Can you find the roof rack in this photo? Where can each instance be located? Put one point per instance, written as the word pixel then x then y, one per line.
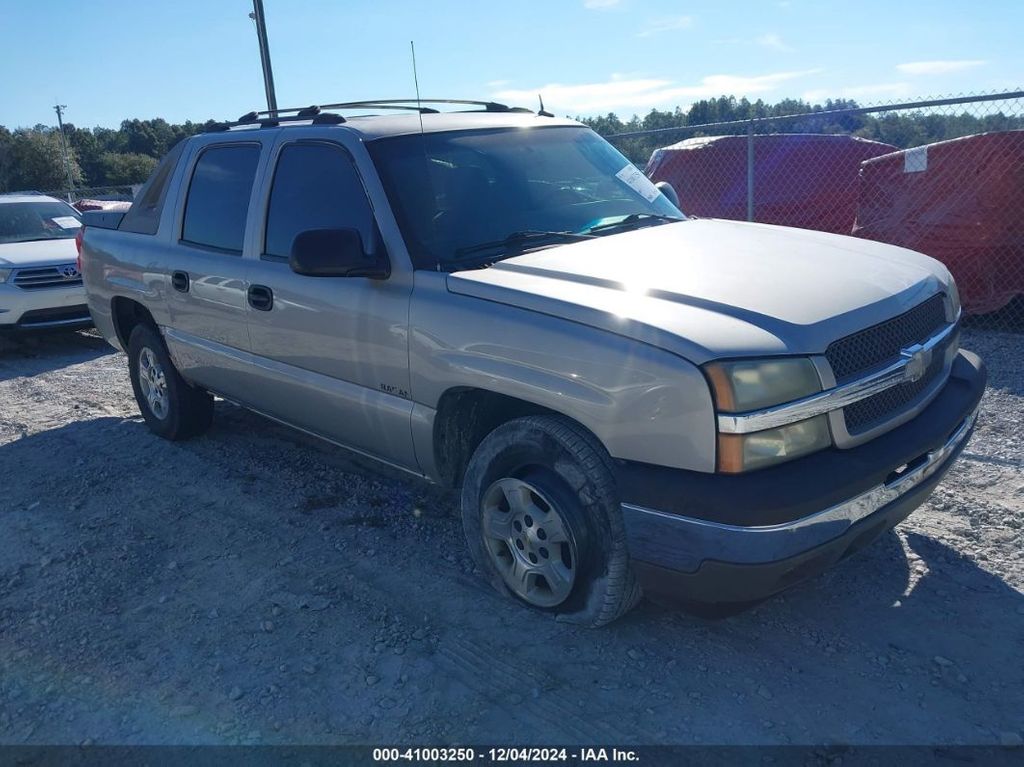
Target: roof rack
pixel 411 104
pixel 271 118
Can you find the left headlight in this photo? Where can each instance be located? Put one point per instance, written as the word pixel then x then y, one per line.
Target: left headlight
pixel 4 274
pixel 744 385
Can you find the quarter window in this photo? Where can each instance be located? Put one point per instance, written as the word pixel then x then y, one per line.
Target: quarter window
pixel 218 197
pixel 316 186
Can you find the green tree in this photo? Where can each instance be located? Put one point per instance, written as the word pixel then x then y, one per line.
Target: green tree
pixel 35 161
pixel 127 168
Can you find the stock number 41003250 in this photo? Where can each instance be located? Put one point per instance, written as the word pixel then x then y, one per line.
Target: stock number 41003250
pixel 441 754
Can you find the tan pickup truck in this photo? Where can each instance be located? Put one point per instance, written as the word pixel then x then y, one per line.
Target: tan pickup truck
pixel 630 399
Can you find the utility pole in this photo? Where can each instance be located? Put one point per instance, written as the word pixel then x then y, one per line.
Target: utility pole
pixel 59 109
pixel 258 16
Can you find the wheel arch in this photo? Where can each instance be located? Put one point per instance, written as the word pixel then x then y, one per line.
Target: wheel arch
pixel 465 415
pixel 126 314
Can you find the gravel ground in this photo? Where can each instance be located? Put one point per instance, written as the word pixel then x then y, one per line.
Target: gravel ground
pixel 255 586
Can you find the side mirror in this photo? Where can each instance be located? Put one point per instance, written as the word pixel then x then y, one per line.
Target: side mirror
pixel 335 253
pixel 669 191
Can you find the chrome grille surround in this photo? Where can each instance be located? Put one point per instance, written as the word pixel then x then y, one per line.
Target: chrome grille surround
pixel 39 277
pixel 864 351
pixel 870 413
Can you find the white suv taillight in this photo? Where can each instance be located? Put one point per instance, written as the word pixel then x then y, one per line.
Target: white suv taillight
pixel 78 244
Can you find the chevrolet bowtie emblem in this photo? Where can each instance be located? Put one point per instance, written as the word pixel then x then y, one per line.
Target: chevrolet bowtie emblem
pixel 918 359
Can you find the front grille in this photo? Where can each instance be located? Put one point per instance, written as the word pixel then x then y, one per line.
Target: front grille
pixel 36 278
pixel 871 412
pixel 881 344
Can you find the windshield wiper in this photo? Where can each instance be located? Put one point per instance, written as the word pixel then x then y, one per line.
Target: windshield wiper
pixel 516 243
pixel 633 220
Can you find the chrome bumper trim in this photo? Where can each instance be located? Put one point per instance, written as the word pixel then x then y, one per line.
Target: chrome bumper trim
pixel 910 367
pixel 734 543
pixel 83 319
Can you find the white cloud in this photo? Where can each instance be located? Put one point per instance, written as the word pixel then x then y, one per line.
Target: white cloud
pixel 775 42
pixel 939 67
pixel 666 25
pixel 859 92
pixel 599 4
pixel 621 93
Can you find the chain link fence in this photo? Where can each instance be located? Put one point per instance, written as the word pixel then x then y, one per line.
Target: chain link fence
pixel 944 177
pixel 96 194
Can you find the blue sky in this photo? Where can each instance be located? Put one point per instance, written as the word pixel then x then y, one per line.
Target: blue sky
pixel 194 59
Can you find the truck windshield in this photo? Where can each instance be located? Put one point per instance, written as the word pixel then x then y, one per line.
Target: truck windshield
pixel 467 197
pixel 44 220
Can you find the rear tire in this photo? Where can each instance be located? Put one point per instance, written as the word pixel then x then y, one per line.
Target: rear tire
pixel 542 520
pixel 172 408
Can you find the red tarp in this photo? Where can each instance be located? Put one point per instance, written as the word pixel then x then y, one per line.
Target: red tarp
pixel 804 180
pixel 84 205
pixel 960 201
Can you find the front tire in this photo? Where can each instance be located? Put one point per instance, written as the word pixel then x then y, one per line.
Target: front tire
pixel 171 407
pixel 542 520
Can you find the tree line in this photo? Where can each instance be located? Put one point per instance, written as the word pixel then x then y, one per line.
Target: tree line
pixel 903 129
pixel 32 158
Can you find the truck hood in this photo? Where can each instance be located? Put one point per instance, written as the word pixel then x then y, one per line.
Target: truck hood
pixel 38 253
pixel 707 288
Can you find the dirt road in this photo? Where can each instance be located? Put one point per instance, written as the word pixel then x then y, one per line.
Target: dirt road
pixel 254 586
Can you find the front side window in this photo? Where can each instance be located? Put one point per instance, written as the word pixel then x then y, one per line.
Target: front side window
pixel 218 197
pixel 316 186
pixel 43 220
pixel 455 192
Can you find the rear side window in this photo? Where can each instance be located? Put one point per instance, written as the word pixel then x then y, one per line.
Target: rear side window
pixel 218 197
pixel 143 217
pixel 316 186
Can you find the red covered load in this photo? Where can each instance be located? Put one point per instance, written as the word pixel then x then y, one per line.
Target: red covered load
pixel 804 180
pixel 110 205
pixel 960 201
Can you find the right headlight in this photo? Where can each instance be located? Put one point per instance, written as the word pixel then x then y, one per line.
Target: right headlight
pixel 742 386
pixel 4 274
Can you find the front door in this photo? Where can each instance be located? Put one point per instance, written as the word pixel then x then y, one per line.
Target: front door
pixel 333 351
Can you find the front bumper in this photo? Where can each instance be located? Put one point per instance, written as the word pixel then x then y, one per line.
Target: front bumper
pixel 43 308
pixel 718 538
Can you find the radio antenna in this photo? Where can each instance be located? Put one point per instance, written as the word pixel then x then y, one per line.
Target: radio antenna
pixel 416 82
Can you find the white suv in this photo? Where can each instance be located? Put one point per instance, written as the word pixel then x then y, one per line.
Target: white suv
pixel 40 286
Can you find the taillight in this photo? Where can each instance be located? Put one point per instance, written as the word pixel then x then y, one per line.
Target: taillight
pixel 78 244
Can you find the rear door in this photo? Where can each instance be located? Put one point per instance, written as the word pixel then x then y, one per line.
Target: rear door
pixel 208 297
pixel 333 351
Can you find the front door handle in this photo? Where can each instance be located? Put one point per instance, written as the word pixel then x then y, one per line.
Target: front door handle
pixel 261 297
pixel 179 281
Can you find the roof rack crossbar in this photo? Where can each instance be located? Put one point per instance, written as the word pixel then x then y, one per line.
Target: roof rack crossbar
pixel 317 118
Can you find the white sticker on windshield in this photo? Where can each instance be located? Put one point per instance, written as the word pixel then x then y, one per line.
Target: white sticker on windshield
pixel 66 222
pixel 638 182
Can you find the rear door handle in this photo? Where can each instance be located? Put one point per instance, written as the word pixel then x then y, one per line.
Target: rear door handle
pixel 261 297
pixel 179 281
